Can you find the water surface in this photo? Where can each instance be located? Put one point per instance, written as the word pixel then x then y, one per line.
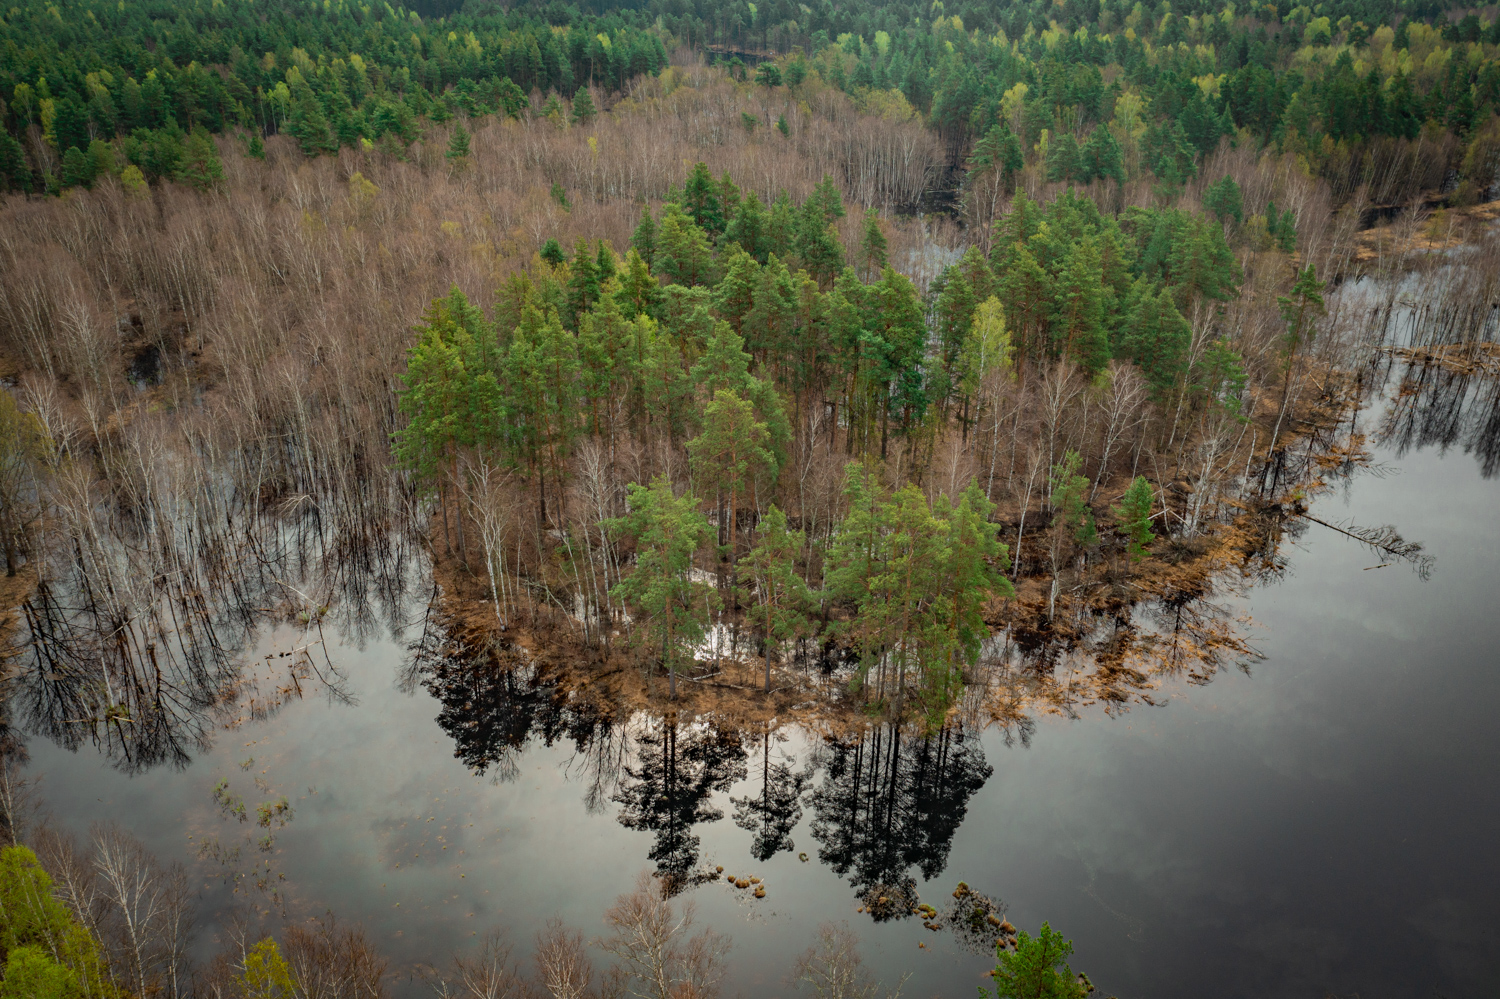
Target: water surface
pixel 1321 824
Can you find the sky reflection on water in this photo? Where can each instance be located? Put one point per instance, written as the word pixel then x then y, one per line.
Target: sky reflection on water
pixel 1324 825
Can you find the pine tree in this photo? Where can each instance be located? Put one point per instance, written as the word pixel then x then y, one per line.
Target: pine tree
pixel 768 75
pixel 583 283
pixel 781 228
pixel 1156 337
pixel 77 168
pixel 1134 517
pixel 872 245
pixel 748 227
pixel 1078 325
pixel 458 142
pixel 1069 489
pixel 781 594
pixel 731 453
pixel 643 241
pixel 1102 156
pixel 668 531
pixel 1037 969
pixel 201 167
pixel 970 573
pixel 783 127
pixel 1063 161
pixel 683 254
pixel 701 200
pixel 640 293
pixel 552 253
pixel 856 557
pixel 1223 198
pixel 734 296
pixel 584 111
pixel 15 174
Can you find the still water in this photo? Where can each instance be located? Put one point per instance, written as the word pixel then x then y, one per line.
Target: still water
pixel 1323 823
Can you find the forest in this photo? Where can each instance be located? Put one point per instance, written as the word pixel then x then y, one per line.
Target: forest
pixel 892 370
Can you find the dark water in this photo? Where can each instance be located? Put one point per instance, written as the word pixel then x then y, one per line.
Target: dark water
pixel 1325 824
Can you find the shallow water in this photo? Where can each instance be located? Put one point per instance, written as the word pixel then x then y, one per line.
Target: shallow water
pixel 1322 824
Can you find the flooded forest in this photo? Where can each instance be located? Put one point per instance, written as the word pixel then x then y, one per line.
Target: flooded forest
pixel 652 491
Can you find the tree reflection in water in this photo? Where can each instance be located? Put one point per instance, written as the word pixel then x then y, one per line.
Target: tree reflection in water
pixel 775 813
pixel 890 801
pixel 669 790
pixel 137 645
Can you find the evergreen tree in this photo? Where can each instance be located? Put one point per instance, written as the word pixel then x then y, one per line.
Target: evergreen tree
pixel 201 167
pixel 1102 156
pixel 1078 325
pixel 583 283
pixel 434 399
pixel 1156 337
pixel 584 111
pixel 15 174
pixel 640 293
pixel 872 245
pixel 701 200
pixel 1063 162
pixel 77 168
pixel 781 595
pixel 782 227
pixel 552 253
pixel 643 240
pixel 1223 198
pixel 1069 489
pixel 458 142
pixel 1036 969
pixel 731 453
pixel 683 255
pixel 1134 517
pixel 749 227
pixel 668 531
pixel 768 75
pixel 735 295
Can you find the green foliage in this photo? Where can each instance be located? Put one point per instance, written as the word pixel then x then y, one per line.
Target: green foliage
pixel 781 595
pixel 328 76
pixel 552 253
pixel 768 75
pixel 458 142
pixel 1224 199
pixel 584 111
pixel 916 579
pixel 267 974
pixel 45 950
pixel 201 167
pixel 1036 969
pixel 1069 491
pixel 668 530
pixel 732 451
pixel 1134 517
pixel 1300 310
pixel 31 973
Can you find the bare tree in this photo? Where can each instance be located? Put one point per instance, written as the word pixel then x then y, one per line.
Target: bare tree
pixel 329 961
pixel 833 969
pixel 562 961
pixel 649 938
pixel 148 908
